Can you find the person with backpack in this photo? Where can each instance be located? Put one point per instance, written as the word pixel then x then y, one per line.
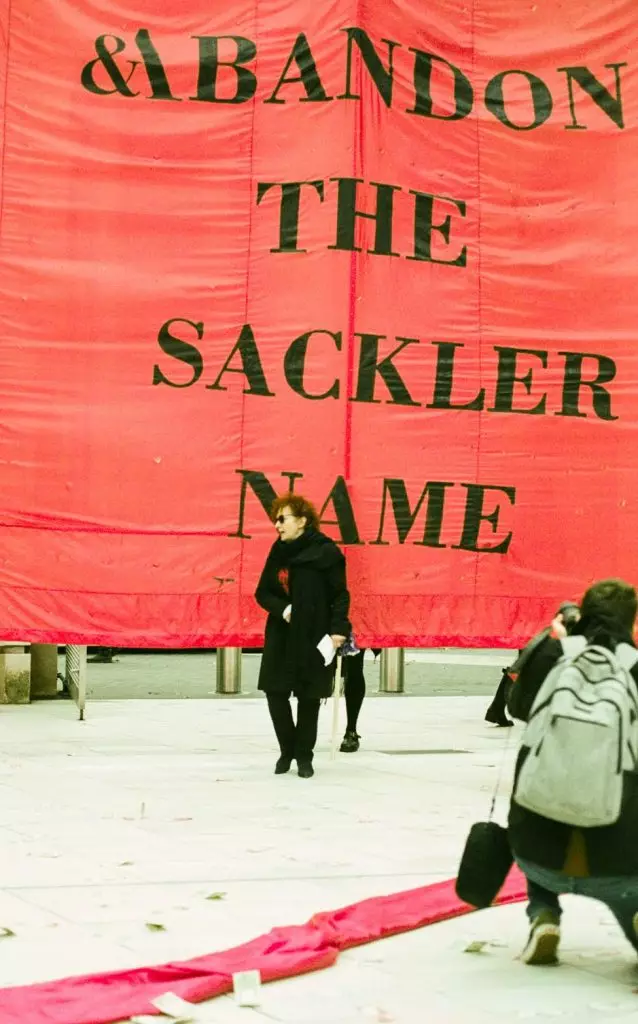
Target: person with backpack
pixel 573 822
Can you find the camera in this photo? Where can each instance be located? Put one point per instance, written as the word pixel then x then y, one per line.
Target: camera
pixel 570 614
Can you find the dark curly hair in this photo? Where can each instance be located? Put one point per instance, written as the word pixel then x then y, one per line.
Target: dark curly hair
pixel 608 611
pixel 298 505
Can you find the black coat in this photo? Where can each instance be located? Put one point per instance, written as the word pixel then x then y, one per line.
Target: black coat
pixel 310 574
pixel 611 850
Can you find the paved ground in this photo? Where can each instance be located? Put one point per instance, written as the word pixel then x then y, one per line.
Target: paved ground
pixel 138 814
pixel 192 675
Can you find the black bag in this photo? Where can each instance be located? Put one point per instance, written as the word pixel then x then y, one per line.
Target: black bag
pixel 485 864
pixel 487 856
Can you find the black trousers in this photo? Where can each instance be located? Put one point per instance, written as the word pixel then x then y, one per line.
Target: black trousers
pixel 295 740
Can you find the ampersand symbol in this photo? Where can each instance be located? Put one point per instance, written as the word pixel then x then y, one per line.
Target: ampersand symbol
pixel 105 58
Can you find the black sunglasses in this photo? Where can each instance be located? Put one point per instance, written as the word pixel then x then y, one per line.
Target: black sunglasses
pixel 282 519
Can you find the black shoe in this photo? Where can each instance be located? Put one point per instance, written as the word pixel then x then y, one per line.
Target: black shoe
pixel 350 743
pixel 502 720
pixel 283 765
pixel 305 770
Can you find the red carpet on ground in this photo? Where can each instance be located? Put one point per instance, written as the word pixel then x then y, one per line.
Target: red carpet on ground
pixel 282 953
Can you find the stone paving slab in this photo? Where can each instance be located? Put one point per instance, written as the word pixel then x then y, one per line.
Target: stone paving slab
pixel 140 813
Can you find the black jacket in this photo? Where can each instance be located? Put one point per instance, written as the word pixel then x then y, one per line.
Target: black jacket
pixel 310 574
pixel 612 850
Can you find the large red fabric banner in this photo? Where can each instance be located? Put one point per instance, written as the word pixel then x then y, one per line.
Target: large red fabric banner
pixel 380 252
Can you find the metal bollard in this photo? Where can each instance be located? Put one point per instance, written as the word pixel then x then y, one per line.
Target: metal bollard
pixel 391 679
pixel 229 670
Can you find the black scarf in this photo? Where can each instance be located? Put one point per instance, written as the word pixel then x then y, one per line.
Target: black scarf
pixel 285 552
pixel 311 548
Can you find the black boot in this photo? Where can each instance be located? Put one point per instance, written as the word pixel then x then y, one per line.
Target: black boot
pixel 496 711
pixel 103 656
pixel 494 719
pixel 306 736
pixel 283 765
pixel 350 742
pixel 282 720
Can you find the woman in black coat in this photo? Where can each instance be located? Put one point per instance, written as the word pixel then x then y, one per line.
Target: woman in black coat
pixel 303 589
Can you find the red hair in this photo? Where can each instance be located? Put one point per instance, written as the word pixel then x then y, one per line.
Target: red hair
pixel 298 505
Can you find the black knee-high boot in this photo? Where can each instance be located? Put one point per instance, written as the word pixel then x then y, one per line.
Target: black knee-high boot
pixel 496 711
pixel 283 722
pixel 306 731
pixel 354 688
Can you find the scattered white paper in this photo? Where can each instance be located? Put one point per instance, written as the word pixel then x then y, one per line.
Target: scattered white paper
pixel 175 1007
pixel 476 946
pixel 247 985
pixel 326 649
pixel 480 945
pixel 147 1019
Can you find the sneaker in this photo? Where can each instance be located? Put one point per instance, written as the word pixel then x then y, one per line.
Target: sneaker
pixel 542 945
pixel 283 765
pixel 350 743
pixel 305 770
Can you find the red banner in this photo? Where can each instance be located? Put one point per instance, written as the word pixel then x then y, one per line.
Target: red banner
pixel 382 253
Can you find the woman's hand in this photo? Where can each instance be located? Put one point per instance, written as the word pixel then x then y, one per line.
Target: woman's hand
pixel 557 629
pixel 337 640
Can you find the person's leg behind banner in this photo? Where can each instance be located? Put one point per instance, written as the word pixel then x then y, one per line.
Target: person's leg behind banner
pixel 102 656
pixel 355 691
pixel 306 735
pixel 496 713
pixel 284 726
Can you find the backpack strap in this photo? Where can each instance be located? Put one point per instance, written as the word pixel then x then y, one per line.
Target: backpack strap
pixel 625 653
pixel 573 645
pixel 627 656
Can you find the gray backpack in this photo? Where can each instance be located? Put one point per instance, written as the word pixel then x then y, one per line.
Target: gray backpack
pixel 582 735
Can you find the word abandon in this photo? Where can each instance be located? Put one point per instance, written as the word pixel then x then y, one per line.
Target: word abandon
pixel 514 377
pixel 440 89
pixel 483 507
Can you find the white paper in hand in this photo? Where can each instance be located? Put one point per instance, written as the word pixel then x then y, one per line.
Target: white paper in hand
pixel 326 649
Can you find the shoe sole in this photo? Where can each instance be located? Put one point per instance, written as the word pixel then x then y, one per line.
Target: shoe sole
pixel 541 950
